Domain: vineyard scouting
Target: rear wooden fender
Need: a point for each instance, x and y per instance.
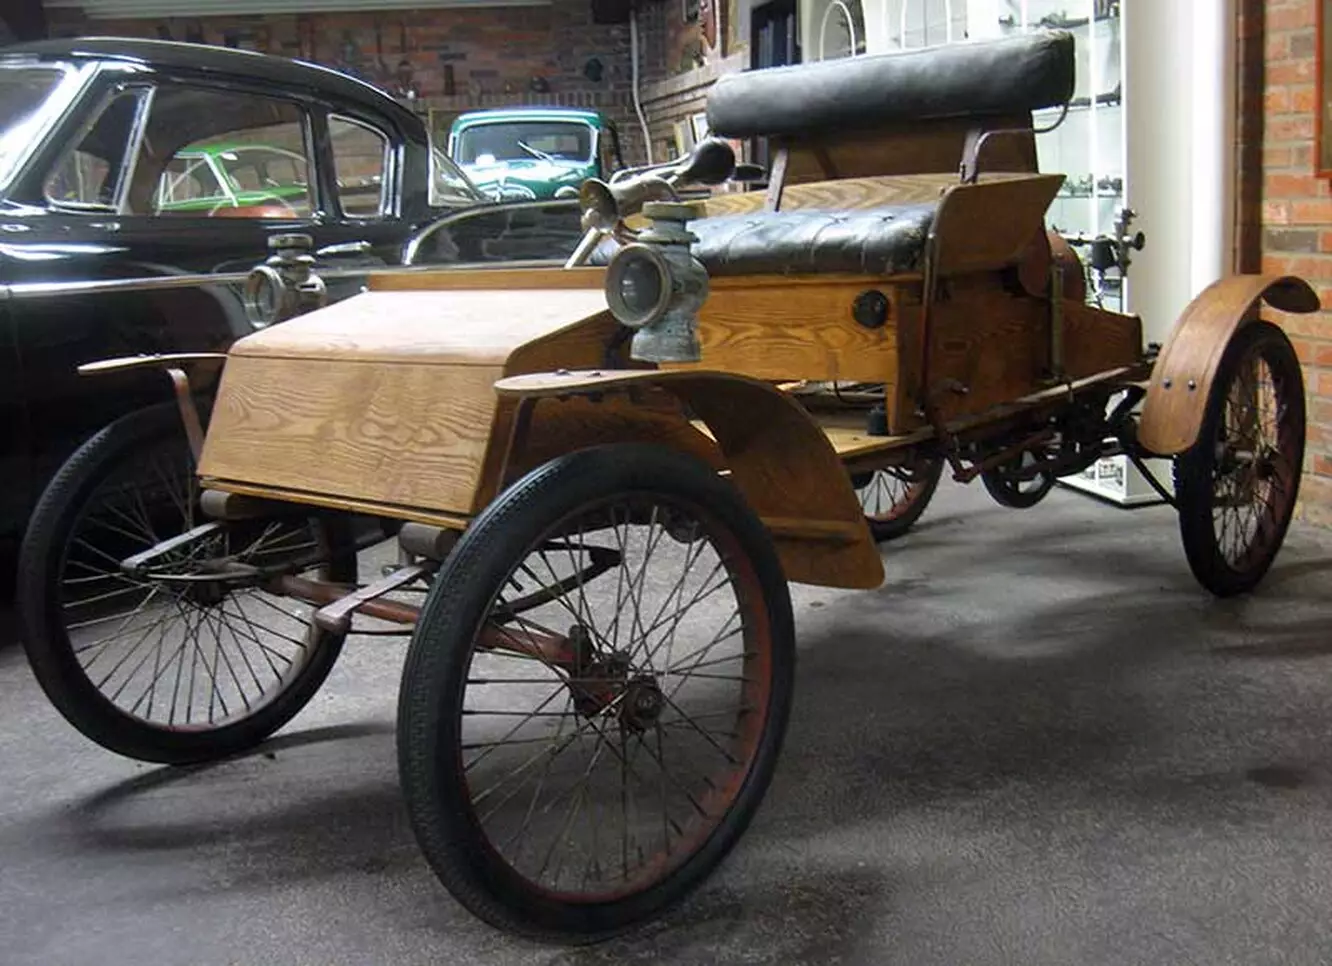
(1182, 378)
(776, 454)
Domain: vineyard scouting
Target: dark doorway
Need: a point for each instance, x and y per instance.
(772, 43)
(23, 20)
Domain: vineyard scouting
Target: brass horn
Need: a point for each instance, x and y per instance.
(605, 204)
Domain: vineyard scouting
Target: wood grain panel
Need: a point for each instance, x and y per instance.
(993, 346)
(408, 435)
(908, 148)
(849, 193)
(497, 279)
(770, 328)
(1182, 378)
(564, 425)
(436, 327)
(775, 452)
(991, 223)
(580, 346)
(1096, 340)
(577, 346)
(452, 521)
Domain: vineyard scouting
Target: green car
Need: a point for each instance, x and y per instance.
(241, 179)
(513, 154)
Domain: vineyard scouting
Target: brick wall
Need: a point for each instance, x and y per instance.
(1294, 210)
(455, 59)
(680, 66)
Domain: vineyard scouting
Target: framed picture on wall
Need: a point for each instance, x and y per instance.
(684, 138)
(1323, 90)
(699, 123)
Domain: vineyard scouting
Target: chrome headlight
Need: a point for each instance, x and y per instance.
(285, 285)
(264, 296)
(638, 286)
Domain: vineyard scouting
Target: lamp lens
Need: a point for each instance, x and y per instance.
(640, 286)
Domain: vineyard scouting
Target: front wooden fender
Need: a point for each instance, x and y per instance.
(776, 454)
(1182, 378)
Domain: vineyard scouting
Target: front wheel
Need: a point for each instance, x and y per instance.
(184, 661)
(596, 693)
(1236, 486)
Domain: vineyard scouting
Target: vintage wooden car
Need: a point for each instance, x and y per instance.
(601, 478)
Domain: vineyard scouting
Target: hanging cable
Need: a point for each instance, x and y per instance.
(633, 72)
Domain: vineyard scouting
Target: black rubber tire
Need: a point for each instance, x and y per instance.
(894, 524)
(1007, 495)
(435, 673)
(55, 524)
(1195, 468)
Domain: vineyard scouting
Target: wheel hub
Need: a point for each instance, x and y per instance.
(643, 703)
(602, 681)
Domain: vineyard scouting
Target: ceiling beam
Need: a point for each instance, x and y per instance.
(133, 9)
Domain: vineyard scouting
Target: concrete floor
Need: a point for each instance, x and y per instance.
(1038, 743)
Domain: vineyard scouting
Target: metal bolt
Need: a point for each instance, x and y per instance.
(1165, 383)
(1192, 385)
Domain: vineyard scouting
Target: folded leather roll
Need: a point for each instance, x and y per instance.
(995, 77)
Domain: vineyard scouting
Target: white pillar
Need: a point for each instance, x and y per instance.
(1179, 97)
(1213, 140)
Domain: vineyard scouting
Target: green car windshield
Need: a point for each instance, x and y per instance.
(504, 140)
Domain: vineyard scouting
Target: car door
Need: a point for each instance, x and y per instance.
(15, 452)
(364, 224)
(100, 212)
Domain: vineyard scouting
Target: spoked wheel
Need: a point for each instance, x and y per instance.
(1007, 487)
(894, 497)
(1236, 487)
(595, 696)
(189, 659)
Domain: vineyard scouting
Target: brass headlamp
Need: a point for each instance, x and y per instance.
(656, 286)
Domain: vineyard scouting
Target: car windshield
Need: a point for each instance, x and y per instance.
(495, 141)
(28, 104)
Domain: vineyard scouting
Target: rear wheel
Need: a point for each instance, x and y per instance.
(1236, 487)
(1009, 486)
(186, 660)
(894, 497)
(596, 693)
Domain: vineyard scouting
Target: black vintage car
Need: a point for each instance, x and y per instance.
(151, 163)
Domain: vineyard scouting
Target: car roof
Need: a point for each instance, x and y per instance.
(222, 147)
(498, 114)
(282, 72)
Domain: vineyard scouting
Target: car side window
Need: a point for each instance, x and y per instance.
(360, 163)
(94, 174)
(222, 154)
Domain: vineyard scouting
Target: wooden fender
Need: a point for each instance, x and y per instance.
(776, 454)
(1182, 378)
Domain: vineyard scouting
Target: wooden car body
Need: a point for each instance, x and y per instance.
(424, 397)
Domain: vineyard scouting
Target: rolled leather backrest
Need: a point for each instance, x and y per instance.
(977, 78)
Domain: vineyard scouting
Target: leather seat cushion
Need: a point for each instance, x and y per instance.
(1012, 75)
(878, 241)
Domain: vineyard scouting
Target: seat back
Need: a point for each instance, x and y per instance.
(910, 112)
